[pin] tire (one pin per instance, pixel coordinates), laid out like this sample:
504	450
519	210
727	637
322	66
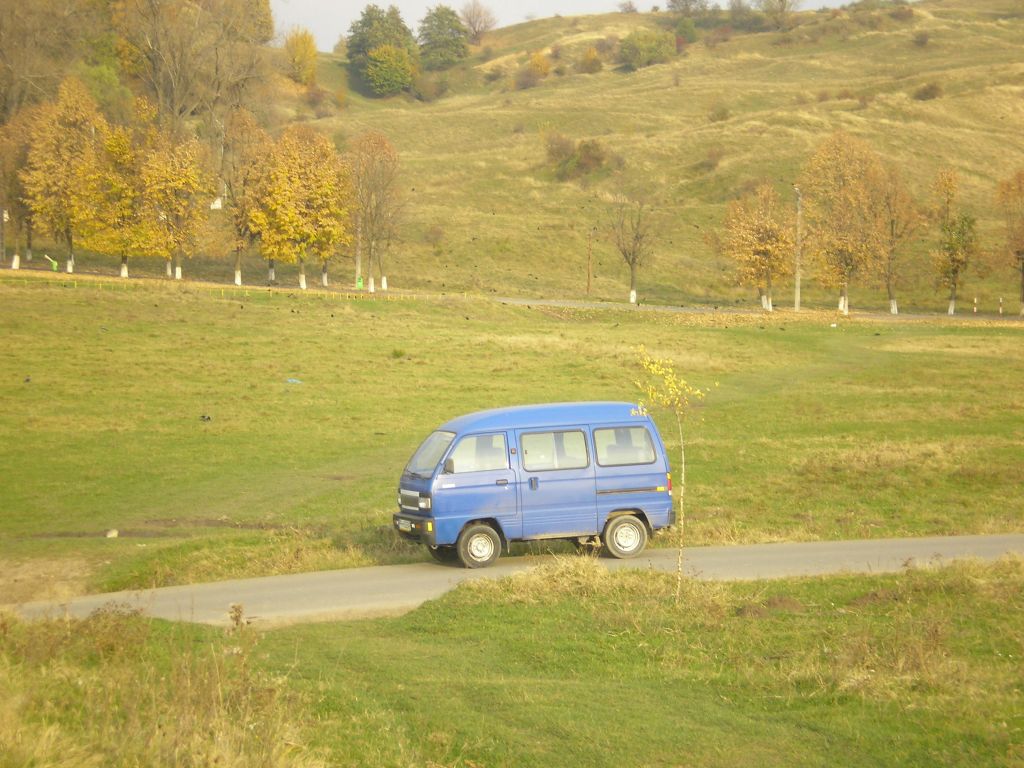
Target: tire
478	546
443	554
625	537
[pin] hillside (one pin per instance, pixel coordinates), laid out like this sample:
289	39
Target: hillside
485	212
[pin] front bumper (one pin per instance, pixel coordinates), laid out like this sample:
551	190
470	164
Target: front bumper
415	527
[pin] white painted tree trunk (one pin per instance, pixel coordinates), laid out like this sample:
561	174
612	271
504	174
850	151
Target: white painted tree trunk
323	276
238	277
124	267
177	271
764	301
768	305
168	265
952	307
373	285
893	309
16	261
632	297
271	273
302	280
70	264
383	282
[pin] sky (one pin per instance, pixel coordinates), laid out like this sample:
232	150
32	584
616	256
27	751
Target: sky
329	19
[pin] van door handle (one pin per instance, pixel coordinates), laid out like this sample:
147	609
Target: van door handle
501	482
534	482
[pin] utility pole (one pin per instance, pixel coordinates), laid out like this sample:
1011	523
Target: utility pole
799	247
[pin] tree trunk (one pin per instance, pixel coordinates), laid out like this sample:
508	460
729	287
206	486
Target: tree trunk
28	239
302	273
167	268
16	259
323	275
891	290
124	266
768	293
177	266
71	253
762	297
383	282
3	235
952	299
632	282
372	285
844	298
271	272
359	254
238	266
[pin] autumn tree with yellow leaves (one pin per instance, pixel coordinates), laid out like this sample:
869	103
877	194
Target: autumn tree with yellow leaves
375	171
304	201
759	238
958	242
901	217
841	184
63	134
15	140
1010	196
661	387
246	150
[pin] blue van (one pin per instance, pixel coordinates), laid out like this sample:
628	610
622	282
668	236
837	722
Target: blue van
590	472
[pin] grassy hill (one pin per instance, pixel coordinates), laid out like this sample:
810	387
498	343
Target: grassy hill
687	137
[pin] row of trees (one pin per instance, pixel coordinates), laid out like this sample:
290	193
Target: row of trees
855	219
139	190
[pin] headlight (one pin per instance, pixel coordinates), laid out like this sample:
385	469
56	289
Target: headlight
424	502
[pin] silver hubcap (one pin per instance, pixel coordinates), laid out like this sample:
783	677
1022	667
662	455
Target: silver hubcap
627	537
481	547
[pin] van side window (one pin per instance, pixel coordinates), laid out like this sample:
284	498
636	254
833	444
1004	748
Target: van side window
478	453
619	446
543	451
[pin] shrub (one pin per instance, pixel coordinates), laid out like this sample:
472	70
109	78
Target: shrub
928	92
559	148
902	13
493	74
645	47
719	113
588	156
540	64
823	96
844	94
389	70
555	53
427	88
864	100
607	46
921	39
627	7
717	36
487	53
686	30
711	159
590	61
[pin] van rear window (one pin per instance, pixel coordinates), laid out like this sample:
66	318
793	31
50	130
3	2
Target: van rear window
619	446
544	451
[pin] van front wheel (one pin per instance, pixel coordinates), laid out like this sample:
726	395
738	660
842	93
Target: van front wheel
625	536
478	546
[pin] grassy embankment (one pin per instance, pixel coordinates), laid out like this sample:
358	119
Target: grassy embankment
867	429
566	665
476	177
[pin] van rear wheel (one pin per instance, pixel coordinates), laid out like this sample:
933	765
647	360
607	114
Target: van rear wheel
478	546
625	536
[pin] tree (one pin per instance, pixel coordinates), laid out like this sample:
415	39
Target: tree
662	388
247	149
645	47
1010	196
111	194
443	38
778	11
389	70
193	58
63	135
374	163
300	53
374	29
840	186
176	190
631	232
688	7
900	220
15	140
303	201
759	239
958	243
479	20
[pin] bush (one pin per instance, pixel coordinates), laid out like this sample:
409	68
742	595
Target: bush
717	36
533	71
645	47
588	156
902	13
921	39
427	88
590	61
711	159
559	148
607	46
928	92
389	70
493	74
686	30
719	113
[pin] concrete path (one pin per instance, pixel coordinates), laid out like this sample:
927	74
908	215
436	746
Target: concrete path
390	590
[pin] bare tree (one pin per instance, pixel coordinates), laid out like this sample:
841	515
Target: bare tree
631	230
374	163
479	20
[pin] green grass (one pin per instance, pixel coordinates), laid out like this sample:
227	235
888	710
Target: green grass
867	429
565	665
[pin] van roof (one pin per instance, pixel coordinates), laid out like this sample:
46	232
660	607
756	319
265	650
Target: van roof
545	415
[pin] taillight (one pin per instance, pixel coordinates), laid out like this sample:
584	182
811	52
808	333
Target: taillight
668	477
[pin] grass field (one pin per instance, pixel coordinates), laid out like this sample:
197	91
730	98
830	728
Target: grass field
565	665
870	428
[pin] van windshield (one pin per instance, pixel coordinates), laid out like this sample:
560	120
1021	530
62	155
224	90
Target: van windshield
424	461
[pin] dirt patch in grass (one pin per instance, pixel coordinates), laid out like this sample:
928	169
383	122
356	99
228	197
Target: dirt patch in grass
42	579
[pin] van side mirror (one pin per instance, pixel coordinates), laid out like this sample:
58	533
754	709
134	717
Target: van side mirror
449	466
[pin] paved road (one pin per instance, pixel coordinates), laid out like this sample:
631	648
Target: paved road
390	590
